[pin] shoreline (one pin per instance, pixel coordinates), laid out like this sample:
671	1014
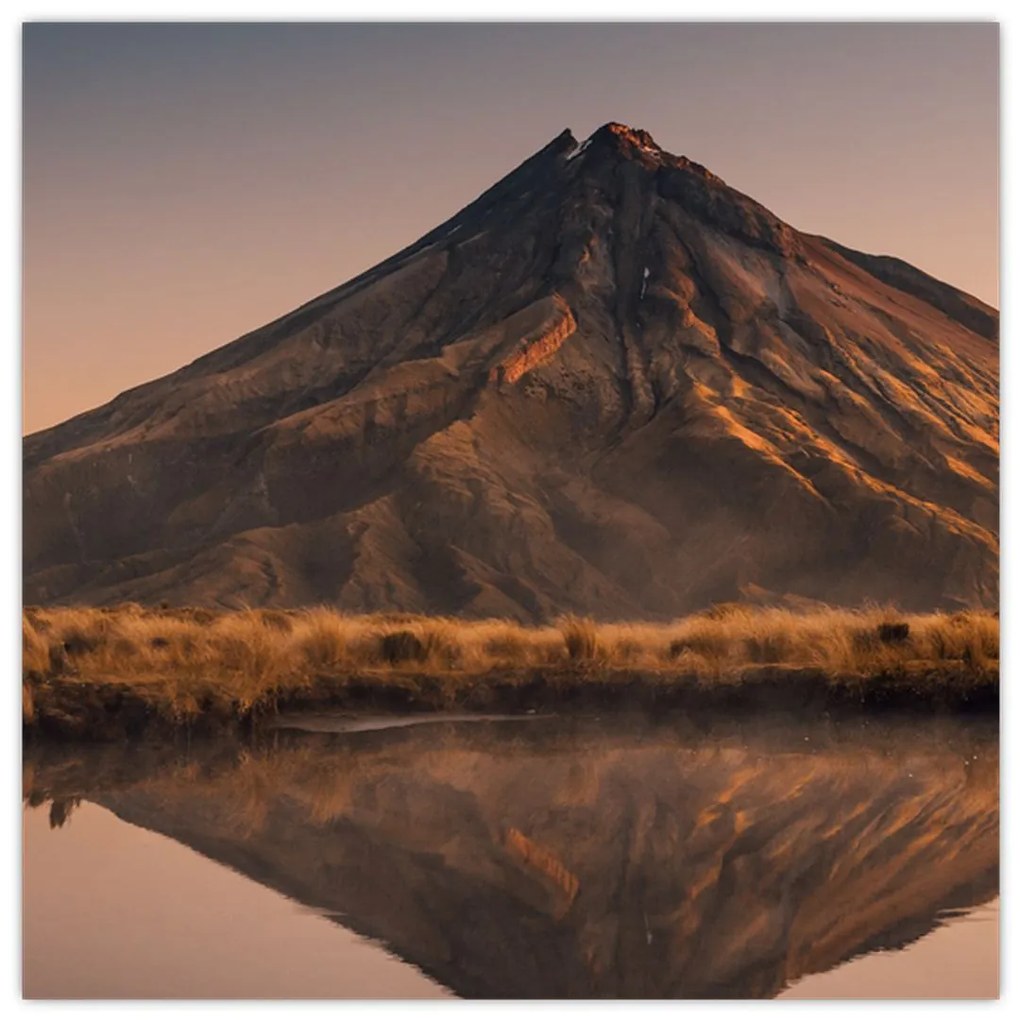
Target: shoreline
77	710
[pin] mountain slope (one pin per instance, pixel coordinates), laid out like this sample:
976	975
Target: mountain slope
610	384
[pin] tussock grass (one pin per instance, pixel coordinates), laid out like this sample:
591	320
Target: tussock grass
580	636
187	661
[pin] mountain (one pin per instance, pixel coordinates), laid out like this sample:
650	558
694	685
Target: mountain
610	384
537	860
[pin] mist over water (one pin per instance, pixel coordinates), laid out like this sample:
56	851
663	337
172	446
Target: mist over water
541	857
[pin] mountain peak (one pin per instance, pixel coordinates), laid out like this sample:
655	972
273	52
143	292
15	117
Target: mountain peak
638	145
630	143
624	135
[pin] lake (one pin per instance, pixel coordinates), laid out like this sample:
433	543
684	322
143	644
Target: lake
534	857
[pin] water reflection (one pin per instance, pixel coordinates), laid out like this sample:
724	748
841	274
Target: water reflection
554	859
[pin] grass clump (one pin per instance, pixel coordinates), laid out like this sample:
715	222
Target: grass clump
400	646
580	636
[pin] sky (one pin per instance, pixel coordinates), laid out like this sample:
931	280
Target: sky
186	183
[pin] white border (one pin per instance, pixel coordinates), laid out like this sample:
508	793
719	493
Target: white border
538	10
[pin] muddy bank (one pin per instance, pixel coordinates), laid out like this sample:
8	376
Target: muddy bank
80	709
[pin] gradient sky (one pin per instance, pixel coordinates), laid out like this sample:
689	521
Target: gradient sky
186	183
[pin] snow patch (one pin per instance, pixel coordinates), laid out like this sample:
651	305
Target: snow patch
581	148
644	282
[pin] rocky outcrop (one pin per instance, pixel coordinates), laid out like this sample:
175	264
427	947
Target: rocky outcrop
532	351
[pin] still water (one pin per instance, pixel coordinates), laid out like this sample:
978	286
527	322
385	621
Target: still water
531	857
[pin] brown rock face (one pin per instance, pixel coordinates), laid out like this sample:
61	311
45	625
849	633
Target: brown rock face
610	384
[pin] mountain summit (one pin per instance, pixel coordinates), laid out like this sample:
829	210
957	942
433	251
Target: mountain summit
610	384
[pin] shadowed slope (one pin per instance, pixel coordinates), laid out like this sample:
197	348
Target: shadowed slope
610	384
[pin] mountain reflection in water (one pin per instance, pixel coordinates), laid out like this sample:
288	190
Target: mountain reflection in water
617	858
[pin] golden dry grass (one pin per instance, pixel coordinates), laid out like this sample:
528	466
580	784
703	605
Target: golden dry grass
185	660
